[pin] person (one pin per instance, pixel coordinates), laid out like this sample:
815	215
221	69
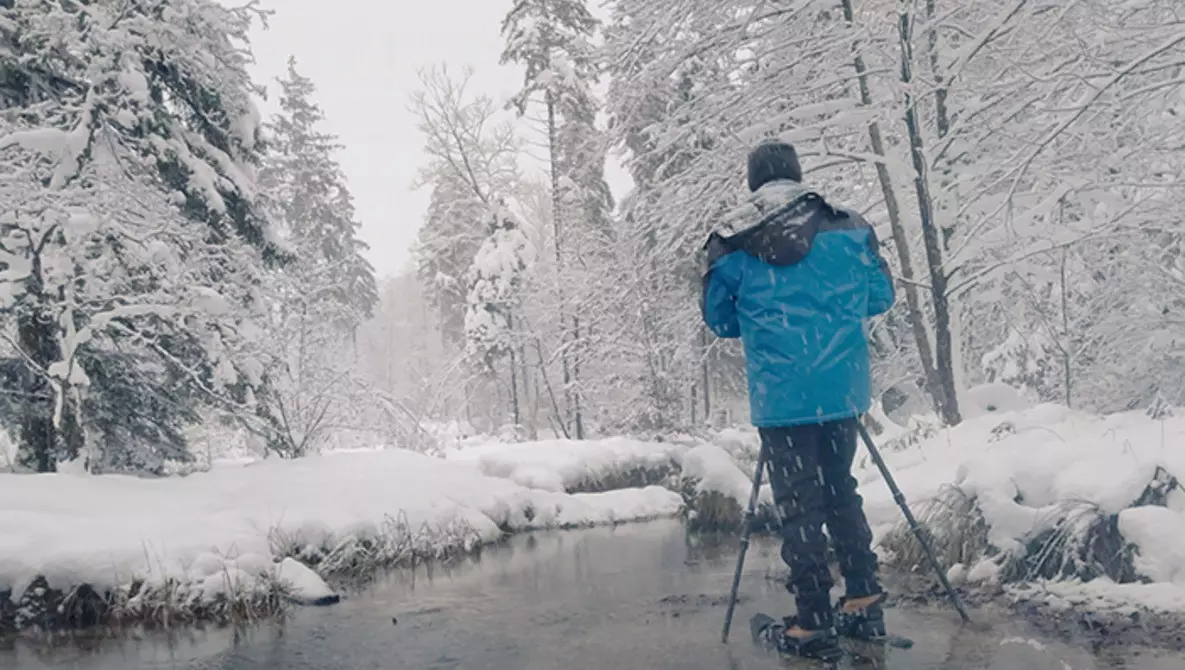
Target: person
796	279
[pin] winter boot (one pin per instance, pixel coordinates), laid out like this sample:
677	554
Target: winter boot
865	623
820	645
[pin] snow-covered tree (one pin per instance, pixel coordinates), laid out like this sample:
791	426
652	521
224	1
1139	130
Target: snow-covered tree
495	293
328	290
131	246
447	242
472	159
553	41
989	137
496	280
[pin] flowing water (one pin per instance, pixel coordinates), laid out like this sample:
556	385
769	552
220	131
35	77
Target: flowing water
626	598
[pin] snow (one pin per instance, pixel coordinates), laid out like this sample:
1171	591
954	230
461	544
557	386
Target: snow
1027	467
612	507
7	451
1024	466
107	530
1157	532
307	586
1104	595
715	470
1035	644
561	465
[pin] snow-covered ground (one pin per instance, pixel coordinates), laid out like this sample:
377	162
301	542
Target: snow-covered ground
110	530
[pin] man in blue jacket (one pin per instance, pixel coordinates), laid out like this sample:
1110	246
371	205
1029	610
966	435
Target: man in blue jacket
796	279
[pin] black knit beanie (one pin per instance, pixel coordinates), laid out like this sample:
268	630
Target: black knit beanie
773	160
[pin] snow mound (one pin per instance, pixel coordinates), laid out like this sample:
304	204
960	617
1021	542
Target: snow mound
307	587
992	399
1157	533
111	530
563	465
714	470
739	443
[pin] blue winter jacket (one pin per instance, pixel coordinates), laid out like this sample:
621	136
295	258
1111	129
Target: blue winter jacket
797	286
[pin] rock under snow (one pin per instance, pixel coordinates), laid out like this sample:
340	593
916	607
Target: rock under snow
307	586
1159	535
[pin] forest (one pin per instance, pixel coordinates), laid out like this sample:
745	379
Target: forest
181	275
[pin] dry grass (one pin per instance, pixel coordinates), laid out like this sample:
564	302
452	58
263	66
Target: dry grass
1076	541
397	543
955	526
715	512
1080	543
628	478
43	609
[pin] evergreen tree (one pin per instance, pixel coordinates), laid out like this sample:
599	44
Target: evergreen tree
130	247
313	209
445	247
329	289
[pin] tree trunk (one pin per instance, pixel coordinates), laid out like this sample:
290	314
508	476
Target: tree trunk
1067	361
514	403
946	182
706	373
530	397
947	401
577	413
550	393
917	318
557	223
39	437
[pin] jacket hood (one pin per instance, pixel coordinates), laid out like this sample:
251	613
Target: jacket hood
777	224
760	204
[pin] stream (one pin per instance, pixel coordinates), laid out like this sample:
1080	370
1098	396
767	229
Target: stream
631	597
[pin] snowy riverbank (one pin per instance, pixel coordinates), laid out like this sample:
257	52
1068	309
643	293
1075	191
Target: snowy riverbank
1045	503
215	536
1050	505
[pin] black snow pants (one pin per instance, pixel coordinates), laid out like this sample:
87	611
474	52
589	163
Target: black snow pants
811	475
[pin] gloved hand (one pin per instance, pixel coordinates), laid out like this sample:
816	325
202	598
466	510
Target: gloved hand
716	246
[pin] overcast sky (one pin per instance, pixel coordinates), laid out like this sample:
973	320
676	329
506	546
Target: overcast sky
364	56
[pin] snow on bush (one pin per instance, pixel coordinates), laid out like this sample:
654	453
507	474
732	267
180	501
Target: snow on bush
1045	494
180	538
